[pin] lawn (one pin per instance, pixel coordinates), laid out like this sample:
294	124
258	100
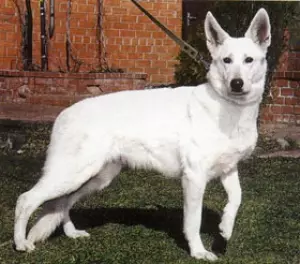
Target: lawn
138	219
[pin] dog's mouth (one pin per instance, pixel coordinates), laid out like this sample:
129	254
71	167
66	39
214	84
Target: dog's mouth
239	94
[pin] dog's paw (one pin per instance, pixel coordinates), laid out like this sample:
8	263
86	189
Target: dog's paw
205	255
25	245
225	230
78	233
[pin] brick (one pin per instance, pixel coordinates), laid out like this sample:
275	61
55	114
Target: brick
286	92
134	56
159	64
167	13
294	84
129	19
126	63
142	19
119	11
170	78
151	27
128	48
149	6
142	34
161	49
172	21
118	41
117	25
152	70
63	7
158	42
290	101
150	56
127	41
150	42
11	37
282	83
77	39
297	109
8	27
276	109
142	42
144	49
135	70
142	63
86	40
127	33
168	42
161	6
87	24
111	18
267	117
158	78
158	35
112	2
287	109
112	33
172	63
2	35
174	6
173	49
279	100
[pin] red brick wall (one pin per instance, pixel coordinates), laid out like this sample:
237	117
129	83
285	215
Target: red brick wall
42	95
283	104
9	35
132	41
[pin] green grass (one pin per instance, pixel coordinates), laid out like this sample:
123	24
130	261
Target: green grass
138	219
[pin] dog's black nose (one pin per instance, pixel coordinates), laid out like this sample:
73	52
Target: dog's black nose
237	85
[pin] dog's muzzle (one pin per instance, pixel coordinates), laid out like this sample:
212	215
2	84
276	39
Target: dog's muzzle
236	86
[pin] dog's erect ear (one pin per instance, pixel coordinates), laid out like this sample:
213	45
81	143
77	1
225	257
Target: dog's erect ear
260	30
215	35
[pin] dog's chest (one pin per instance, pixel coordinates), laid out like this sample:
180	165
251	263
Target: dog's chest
232	150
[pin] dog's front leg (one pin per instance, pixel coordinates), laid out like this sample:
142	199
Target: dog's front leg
193	191
232	187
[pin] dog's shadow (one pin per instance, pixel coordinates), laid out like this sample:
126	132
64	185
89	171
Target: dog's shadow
168	220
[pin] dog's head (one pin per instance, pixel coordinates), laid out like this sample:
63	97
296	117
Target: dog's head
239	65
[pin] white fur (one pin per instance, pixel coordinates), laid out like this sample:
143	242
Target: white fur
196	133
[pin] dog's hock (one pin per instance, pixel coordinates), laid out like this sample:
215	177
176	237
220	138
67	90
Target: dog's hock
215	35
260	30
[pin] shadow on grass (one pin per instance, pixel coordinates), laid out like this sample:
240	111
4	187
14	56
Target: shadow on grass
168	220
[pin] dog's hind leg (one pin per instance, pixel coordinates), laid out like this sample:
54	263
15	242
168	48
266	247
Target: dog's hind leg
56	211
57	181
98	183
232	187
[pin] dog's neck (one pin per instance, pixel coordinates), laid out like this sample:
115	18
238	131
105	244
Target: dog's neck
232	118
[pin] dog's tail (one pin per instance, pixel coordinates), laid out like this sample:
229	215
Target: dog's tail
51	216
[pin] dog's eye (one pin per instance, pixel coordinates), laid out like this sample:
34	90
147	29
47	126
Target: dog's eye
227	60
248	60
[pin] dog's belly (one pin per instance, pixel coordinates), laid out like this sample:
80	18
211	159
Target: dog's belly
163	158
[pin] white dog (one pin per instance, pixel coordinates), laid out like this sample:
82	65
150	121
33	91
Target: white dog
196	133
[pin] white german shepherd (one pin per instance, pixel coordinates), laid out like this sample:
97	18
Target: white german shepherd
196	133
